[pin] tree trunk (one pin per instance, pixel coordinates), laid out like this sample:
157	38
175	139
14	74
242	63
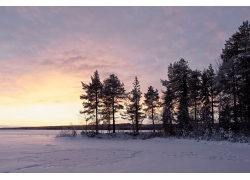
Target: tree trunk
109	122
153	118
96	108
248	100
113	108
212	97
136	118
195	109
234	98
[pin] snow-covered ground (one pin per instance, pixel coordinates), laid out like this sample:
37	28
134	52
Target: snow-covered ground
39	151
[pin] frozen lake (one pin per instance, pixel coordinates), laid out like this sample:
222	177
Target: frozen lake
33	151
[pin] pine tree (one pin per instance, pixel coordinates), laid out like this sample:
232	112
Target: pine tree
168	108
208	95
205	99
178	75
106	111
226	97
129	113
235	70
91	98
152	103
211	82
194	84
116	92
136	107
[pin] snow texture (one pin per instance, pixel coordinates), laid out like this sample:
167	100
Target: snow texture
39	151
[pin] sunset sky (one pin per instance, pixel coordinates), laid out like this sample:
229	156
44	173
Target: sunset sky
45	52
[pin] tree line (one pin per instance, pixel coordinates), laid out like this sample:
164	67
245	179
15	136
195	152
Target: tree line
104	99
217	97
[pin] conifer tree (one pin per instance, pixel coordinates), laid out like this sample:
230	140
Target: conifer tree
91	98
152	103
211	84
194	93
134	107
168	109
116	92
129	113
205	99
208	95
178	75
135	99
235	71
106	111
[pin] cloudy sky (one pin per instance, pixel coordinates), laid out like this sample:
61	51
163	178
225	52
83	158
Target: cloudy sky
45	52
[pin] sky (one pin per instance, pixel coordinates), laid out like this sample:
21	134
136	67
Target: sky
46	52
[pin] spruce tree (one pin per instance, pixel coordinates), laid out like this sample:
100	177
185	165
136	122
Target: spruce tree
134	107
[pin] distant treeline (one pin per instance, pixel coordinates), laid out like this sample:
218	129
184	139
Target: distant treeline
85	127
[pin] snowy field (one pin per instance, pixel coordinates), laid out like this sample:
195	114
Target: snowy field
38	151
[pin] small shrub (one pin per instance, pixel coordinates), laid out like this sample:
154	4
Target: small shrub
91	134
67	133
73	133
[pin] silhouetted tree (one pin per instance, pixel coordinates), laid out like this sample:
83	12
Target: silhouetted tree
194	83
208	95
178	74
116	92
152	103
234	75
106	111
129	114
91	98
134	108
168	108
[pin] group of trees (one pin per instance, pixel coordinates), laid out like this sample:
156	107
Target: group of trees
102	99
101	102
190	97
193	98
217	96
234	79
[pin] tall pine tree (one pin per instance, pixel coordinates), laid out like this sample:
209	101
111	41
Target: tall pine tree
235	71
178	75
194	94
106	111
116	92
152	103
168	108
134	108
91	98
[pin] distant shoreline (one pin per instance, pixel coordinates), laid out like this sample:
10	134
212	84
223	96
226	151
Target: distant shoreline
83	127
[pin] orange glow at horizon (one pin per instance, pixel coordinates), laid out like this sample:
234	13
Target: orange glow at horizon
40	115
42	99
